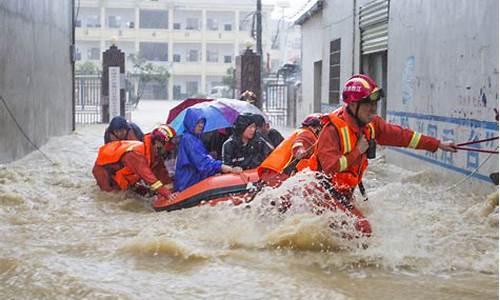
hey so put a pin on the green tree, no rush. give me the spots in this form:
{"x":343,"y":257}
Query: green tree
{"x":229,"y":80}
{"x":87,"y":68}
{"x":144,"y":72}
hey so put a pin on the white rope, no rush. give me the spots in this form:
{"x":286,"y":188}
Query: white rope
{"x":466,"y":177}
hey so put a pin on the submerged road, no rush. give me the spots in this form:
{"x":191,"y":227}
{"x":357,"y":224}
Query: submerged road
{"x":62,"y":238}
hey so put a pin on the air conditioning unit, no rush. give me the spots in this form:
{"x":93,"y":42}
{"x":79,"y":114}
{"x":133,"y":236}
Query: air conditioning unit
{"x":154,"y":33}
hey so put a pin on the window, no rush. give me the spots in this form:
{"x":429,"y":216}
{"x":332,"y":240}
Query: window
{"x":192,"y":24}
{"x":193,"y":55}
{"x":155,"y":90}
{"x":78,"y":23}
{"x":246,"y":21}
{"x":154,"y":51}
{"x":191,"y":88}
{"x":177,"y":58}
{"x":212,"y":25}
{"x":93,"y":54}
{"x":177,"y":92}
{"x":153,"y":19}
{"x":227,"y":59}
{"x":228,"y":27}
{"x":177,"y":26}
{"x":212,"y":56}
{"x":78,"y":54}
{"x":93,"y":21}
{"x":334,"y":84}
{"x":114,"y":21}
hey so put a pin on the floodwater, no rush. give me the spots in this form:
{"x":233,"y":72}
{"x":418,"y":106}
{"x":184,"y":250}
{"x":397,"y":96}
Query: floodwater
{"x":62,"y":238}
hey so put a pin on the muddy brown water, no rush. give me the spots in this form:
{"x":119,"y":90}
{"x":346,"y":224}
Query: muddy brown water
{"x":62,"y":238}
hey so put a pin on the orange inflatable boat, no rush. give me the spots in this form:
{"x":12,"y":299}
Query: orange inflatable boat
{"x":212,"y":190}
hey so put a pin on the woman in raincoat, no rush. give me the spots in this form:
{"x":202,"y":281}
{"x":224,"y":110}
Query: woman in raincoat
{"x":193,"y":161}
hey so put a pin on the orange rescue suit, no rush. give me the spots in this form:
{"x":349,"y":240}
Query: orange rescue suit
{"x":112,"y":152}
{"x":283,"y":155}
{"x":336,"y":153}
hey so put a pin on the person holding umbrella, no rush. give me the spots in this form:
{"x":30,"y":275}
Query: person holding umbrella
{"x":193,"y":161}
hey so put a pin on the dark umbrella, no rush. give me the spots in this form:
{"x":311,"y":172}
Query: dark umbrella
{"x":175,"y":111}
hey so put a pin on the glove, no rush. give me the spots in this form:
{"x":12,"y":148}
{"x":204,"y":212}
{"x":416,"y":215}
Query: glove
{"x":164,"y":192}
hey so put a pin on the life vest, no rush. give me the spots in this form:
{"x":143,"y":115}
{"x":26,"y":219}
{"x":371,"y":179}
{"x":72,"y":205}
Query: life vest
{"x":282,"y":156}
{"x":348,"y":177}
{"x":112,"y":152}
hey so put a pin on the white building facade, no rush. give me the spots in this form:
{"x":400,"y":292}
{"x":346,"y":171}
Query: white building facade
{"x":197,"y":40}
{"x":437,"y":61}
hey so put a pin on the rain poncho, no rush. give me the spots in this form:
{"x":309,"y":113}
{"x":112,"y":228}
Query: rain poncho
{"x":193,"y":161}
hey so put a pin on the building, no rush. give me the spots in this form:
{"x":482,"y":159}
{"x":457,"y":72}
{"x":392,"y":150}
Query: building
{"x":197,"y":40}
{"x":285,"y":44}
{"x":36,"y":38}
{"x":437,"y":61}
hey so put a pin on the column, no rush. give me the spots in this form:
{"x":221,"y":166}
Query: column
{"x":171,"y":52}
{"x":236,"y":35}
{"x":171,"y":87}
{"x":203,"y":84}
{"x":137,"y":34}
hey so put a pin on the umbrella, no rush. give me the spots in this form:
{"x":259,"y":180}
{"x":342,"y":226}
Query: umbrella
{"x":175,"y":111}
{"x":220,"y":113}
{"x":242,"y":106}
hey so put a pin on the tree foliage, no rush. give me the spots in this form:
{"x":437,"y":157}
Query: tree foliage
{"x":87,"y":68}
{"x":144,"y":72}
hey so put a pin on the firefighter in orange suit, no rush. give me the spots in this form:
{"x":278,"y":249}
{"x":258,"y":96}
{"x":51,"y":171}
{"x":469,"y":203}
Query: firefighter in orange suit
{"x":350,"y":134}
{"x":122,"y":164}
{"x":292,"y":154}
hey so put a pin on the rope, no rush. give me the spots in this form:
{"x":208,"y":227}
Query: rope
{"x":477,"y":150}
{"x":23,"y":133}
{"x":466,"y":177}
{"x":478,"y":141}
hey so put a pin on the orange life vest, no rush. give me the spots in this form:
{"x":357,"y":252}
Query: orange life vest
{"x":282,"y":156}
{"x":112,"y":152}
{"x":347,"y":176}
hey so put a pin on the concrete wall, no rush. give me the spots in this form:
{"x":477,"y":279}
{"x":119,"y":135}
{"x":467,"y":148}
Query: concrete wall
{"x":443,"y":78}
{"x":311,"y":53}
{"x":442,"y":73}
{"x":35,"y":73}
{"x":333,"y":22}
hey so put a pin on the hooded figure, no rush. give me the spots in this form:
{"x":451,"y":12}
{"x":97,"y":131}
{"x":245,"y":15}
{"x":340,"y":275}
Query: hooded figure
{"x":193,"y":161}
{"x":120,"y":129}
{"x":242,"y":149}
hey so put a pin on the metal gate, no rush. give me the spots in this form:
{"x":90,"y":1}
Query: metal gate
{"x":276,"y":103}
{"x":88,"y":107}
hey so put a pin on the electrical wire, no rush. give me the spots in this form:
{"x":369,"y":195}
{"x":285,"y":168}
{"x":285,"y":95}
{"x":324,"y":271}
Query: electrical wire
{"x":22,"y":131}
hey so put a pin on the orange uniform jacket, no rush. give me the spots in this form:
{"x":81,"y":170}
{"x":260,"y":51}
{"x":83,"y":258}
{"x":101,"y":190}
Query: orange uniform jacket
{"x":150,"y":170}
{"x":328,"y":149}
{"x":281,"y":157}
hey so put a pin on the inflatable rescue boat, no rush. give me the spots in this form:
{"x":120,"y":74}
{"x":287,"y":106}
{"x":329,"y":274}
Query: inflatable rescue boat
{"x":212,"y":190}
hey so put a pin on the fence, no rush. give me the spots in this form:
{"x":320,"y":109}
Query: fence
{"x":88,"y":105}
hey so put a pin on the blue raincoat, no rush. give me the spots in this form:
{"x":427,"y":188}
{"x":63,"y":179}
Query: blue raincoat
{"x":193,"y":161}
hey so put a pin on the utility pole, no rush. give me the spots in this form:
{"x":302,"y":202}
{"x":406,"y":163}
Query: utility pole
{"x":259,"y":28}
{"x":259,"y":50}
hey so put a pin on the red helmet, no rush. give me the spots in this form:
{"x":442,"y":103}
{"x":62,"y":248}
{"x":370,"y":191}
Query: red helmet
{"x":361,"y":87}
{"x":312,"y":120}
{"x":163,"y":133}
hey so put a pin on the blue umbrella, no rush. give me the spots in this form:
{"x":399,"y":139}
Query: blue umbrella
{"x":215,"y":118}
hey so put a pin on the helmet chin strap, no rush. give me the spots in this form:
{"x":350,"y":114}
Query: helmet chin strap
{"x":355,"y":116}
